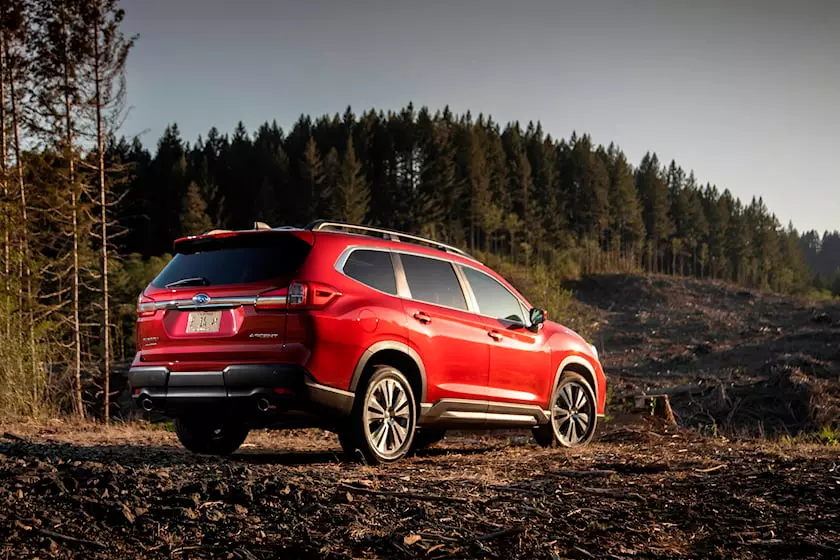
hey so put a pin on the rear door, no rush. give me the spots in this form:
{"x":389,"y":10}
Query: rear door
{"x":519,"y":358}
{"x":221,"y":300}
{"x":451,"y":341}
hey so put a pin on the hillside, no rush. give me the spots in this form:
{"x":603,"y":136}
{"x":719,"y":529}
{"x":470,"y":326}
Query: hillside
{"x":744,"y":361}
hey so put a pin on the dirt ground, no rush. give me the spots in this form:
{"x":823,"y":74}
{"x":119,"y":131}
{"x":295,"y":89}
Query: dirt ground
{"x":733,"y":362}
{"x":641,"y":491}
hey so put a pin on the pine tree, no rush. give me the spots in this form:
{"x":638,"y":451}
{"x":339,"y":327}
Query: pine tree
{"x":312,"y":175}
{"x":437,"y":190}
{"x":352,"y":195}
{"x":626,"y":223}
{"x":653,"y":192}
{"x":194,"y":218}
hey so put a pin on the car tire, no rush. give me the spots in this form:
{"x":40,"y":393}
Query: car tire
{"x":203,"y":435}
{"x":382,"y":423}
{"x":426,"y":437}
{"x":573,"y":414}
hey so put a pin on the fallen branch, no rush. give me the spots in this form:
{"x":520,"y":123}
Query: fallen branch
{"x":517,"y":490}
{"x":503,"y":533}
{"x":711,"y":469}
{"x":582,"y":474}
{"x":406,"y":495}
{"x":616,"y":493}
{"x":68,"y":538}
{"x":13,"y":437}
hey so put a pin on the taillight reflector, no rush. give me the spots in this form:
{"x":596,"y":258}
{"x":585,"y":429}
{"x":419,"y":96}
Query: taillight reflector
{"x":145,"y":306}
{"x":311,"y":295}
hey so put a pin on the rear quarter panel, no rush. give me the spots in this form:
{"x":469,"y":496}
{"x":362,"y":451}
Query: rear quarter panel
{"x":331,"y":342}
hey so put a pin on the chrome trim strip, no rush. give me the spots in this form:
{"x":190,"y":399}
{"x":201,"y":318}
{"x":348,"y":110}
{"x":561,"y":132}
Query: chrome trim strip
{"x":278,"y":300}
{"x":489,"y":412}
{"x":500,"y":418}
{"x":220,"y":303}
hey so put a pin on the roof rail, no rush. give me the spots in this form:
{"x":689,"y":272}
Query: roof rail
{"x":393,"y":235}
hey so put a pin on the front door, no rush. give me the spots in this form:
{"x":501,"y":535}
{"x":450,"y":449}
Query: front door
{"x":519,"y":358}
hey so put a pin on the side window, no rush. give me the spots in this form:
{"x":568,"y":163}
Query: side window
{"x":433,"y":281}
{"x":493,"y":299}
{"x":372,"y":268}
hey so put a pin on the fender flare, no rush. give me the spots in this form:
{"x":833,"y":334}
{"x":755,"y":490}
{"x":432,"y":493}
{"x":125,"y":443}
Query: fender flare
{"x":401,"y":347}
{"x":578,"y":361}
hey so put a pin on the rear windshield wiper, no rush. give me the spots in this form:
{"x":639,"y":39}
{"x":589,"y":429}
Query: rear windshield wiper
{"x":194,"y":281}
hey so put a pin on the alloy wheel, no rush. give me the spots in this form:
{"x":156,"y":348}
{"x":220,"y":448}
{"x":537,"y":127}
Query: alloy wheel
{"x":573,"y":414}
{"x":388,"y":417}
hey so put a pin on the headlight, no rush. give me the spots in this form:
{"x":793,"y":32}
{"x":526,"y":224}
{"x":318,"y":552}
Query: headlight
{"x":594,"y":351}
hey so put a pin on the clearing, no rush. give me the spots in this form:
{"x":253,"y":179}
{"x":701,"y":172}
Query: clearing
{"x":734,"y":363}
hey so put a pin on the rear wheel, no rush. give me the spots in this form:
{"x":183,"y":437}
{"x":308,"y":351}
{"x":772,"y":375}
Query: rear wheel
{"x":206,"y":436}
{"x":383,"y":420}
{"x":573,"y":414}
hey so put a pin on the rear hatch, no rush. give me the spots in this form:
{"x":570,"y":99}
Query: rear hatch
{"x":222,"y":299}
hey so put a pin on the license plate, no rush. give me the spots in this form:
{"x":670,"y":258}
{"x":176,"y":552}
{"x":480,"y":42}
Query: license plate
{"x":204,"y":322}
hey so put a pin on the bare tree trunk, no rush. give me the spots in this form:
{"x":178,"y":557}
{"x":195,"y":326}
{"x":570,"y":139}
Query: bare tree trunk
{"x":7,"y":219}
{"x":103,"y":216}
{"x":78,"y":403}
{"x":25,"y":265}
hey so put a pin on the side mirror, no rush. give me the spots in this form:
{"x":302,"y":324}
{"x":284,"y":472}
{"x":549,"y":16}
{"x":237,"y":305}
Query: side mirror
{"x":537,"y":317}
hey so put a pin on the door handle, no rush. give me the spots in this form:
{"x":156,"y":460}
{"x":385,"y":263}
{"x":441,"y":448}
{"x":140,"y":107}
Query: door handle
{"x":494,"y":335}
{"x":422,"y":317}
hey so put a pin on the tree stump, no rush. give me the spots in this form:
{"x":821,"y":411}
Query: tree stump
{"x":655,"y":405}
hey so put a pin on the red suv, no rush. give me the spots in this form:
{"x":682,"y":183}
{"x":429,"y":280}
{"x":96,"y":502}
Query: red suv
{"x":386,"y":338}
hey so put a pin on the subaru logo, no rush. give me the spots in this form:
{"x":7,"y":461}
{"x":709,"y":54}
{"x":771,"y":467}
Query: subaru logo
{"x":200,"y":299}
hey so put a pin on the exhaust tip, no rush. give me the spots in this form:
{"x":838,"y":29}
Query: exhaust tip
{"x":263,"y":405}
{"x":147,"y":404}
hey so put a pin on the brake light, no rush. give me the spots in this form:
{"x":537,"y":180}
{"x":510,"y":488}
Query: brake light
{"x":311,"y":295}
{"x":145,"y":306}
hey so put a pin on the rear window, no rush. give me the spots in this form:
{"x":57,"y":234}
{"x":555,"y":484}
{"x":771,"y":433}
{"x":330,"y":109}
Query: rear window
{"x":257,"y":260}
{"x":373,"y":268}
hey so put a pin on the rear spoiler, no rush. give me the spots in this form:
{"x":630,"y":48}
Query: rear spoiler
{"x":226,"y":239}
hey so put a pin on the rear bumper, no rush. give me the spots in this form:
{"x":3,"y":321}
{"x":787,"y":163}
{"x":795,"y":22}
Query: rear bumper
{"x":243,"y":389}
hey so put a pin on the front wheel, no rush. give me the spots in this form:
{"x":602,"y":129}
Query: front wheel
{"x":383,"y":420}
{"x":208,"y":437}
{"x":573,"y":414}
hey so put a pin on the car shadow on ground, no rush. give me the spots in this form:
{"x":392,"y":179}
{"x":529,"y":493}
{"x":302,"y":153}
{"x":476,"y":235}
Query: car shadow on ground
{"x":140,"y":455}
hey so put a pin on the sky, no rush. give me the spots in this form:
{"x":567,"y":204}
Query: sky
{"x":744,"y":92}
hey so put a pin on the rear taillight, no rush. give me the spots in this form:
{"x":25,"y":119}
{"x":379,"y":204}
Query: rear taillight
{"x":311,"y":295}
{"x":297,"y":294}
{"x":145,"y":306}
